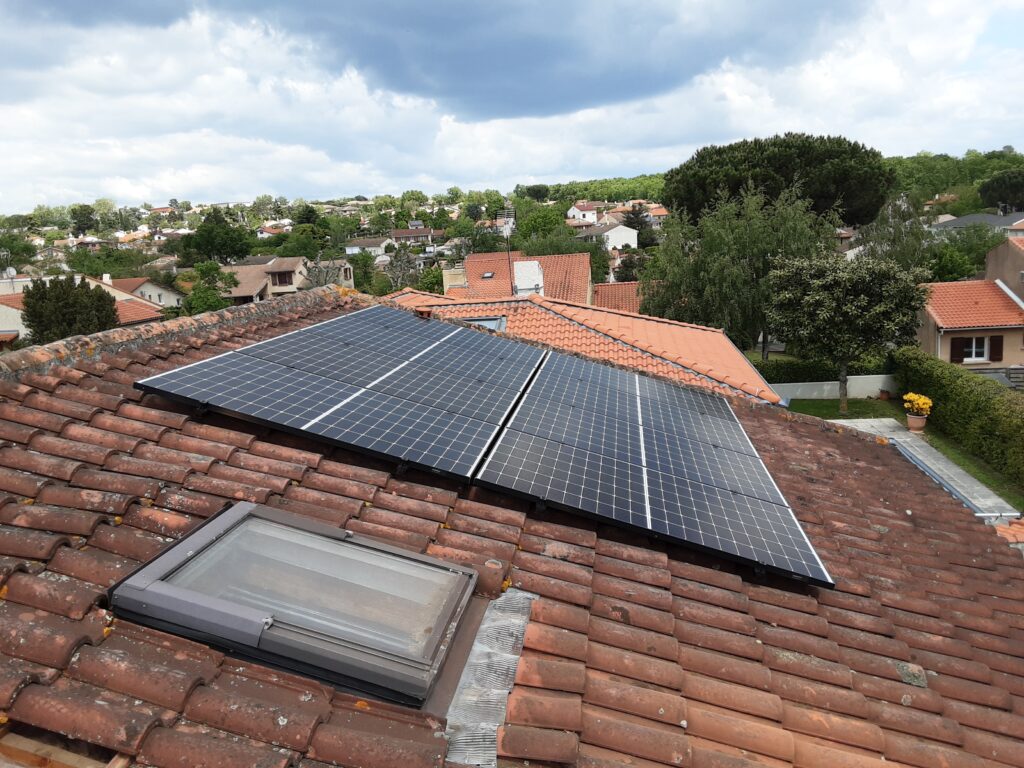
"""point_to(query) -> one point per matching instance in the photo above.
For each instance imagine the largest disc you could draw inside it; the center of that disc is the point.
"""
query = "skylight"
(488, 275)
(491, 323)
(305, 596)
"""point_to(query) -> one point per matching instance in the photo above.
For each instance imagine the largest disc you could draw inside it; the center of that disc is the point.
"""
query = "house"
(375, 246)
(1005, 262)
(624, 297)
(164, 210)
(498, 275)
(976, 323)
(131, 310)
(418, 235)
(657, 214)
(585, 210)
(264, 233)
(146, 289)
(614, 648)
(265, 276)
(692, 354)
(612, 235)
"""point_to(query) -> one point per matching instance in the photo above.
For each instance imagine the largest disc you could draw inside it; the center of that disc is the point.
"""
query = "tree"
(362, 270)
(83, 218)
(899, 233)
(538, 192)
(19, 251)
(961, 253)
(715, 272)
(636, 218)
(541, 221)
(833, 172)
(431, 280)
(321, 270)
(217, 240)
(209, 283)
(630, 268)
(60, 308)
(562, 240)
(412, 199)
(108, 261)
(1005, 188)
(401, 267)
(475, 211)
(840, 310)
(306, 214)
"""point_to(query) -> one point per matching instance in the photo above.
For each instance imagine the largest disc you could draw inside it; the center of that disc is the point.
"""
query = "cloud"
(224, 103)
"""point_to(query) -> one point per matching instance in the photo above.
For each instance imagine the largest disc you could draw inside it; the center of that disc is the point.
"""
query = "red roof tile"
(621, 296)
(637, 652)
(692, 354)
(566, 276)
(973, 304)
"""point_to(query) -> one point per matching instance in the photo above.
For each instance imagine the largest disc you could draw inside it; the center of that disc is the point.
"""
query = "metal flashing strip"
(478, 708)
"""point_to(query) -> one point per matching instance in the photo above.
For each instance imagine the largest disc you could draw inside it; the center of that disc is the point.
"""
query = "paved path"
(983, 501)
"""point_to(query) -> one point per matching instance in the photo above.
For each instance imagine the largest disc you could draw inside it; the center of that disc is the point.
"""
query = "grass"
(755, 355)
(1010, 491)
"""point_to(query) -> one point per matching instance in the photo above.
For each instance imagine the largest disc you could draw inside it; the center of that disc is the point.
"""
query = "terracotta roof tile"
(621, 296)
(914, 657)
(973, 304)
(566, 276)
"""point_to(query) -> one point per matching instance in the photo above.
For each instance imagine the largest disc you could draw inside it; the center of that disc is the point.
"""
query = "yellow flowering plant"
(916, 404)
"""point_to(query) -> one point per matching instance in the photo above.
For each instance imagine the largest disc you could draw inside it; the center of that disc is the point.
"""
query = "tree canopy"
(563, 240)
(1004, 188)
(60, 308)
(715, 272)
(840, 309)
(216, 240)
(209, 283)
(833, 172)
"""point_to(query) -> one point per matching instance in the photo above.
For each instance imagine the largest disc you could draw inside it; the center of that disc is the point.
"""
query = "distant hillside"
(646, 187)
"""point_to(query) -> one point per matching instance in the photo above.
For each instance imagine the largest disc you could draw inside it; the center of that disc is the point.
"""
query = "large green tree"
(833, 172)
(1004, 188)
(715, 272)
(216, 240)
(61, 307)
(899, 233)
(362, 270)
(209, 284)
(83, 218)
(636, 218)
(840, 309)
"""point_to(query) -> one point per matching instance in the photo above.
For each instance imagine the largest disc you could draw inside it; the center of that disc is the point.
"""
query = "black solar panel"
(641, 452)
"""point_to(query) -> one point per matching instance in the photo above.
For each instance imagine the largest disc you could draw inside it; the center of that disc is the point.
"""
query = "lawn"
(755, 355)
(1011, 492)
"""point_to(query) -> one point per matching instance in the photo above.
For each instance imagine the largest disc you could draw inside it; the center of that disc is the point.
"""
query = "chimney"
(106, 279)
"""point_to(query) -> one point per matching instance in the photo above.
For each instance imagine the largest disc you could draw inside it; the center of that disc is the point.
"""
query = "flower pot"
(916, 423)
(883, 394)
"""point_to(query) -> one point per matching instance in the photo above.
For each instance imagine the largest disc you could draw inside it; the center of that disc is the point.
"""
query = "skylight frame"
(148, 597)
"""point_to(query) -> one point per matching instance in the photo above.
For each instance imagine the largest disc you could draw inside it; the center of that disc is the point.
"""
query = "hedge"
(982, 416)
(786, 371)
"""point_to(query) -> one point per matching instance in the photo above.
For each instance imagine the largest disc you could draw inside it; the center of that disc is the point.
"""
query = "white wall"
(858, 387)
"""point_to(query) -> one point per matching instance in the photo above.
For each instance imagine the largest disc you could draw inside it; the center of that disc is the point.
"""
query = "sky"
(223, 100)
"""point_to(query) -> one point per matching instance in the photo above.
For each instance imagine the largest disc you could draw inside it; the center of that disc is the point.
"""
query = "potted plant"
(918, 407)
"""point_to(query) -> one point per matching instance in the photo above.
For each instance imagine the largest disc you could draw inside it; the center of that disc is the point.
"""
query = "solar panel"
(333, 381)
(572, 433)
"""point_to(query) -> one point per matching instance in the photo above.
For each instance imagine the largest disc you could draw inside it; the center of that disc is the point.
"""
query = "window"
(491, 323)
(281, 278)
(305, 596)
(975, 350)
(488, 275)
(348, 273)
(159, 298)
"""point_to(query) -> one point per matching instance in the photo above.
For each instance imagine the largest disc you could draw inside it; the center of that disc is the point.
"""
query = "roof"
(367, 242)
(658, 211)
(252, 278)
(129, 311)
(622, 296)
(990, 219)
(600, 229)
(973, 304)
(412, 298)
(692, 354)
(566, 276)
(129, 284)
(417, 232)
(636, 652)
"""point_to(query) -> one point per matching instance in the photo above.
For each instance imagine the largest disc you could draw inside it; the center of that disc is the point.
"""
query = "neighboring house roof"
(367, 242)
(692, 354)
(129, 311)
(622, 296)
(658, 211)
(990, 219)
(566, 276)
(252, 279)
(271, 230)
(600, 229)
(417, 232)
(411, 298)
(973, 304)
(129, 284)
(637, 652)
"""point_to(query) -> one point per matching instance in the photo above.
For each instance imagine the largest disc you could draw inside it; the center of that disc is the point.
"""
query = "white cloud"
(212, 108)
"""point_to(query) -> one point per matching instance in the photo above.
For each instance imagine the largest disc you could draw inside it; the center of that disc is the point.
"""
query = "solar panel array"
(571, 433)
(379, 380)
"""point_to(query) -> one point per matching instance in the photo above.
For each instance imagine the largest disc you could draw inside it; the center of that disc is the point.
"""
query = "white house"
(146, 289)
(584, 210)
(613, 235)
(375, 246)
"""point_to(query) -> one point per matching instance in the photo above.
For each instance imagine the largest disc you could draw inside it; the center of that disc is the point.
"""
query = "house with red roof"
(691, 354)
(604, 647)
(975, 323)
(564, 276)
(624, 297)
(146, 289)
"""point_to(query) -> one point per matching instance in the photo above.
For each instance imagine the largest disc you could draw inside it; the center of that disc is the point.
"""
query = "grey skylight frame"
(147, 597)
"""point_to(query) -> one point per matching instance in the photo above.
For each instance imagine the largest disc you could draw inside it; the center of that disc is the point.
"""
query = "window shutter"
(957, 349)
(995, 348)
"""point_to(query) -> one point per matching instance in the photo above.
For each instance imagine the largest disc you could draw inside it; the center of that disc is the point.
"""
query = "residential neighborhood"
(511, 386)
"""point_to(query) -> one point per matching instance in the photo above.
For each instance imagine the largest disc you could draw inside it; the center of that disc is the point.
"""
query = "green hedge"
(984, 417)
(784, 371)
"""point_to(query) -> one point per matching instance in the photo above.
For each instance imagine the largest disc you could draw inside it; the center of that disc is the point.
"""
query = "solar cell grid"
(686, 398)
(329, 358)
(449, 392)
(578, 427)
(585, 394)
(569, 367)
(674, 420)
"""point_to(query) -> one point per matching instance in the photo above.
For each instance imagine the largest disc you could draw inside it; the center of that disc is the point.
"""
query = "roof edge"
(75, 348)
